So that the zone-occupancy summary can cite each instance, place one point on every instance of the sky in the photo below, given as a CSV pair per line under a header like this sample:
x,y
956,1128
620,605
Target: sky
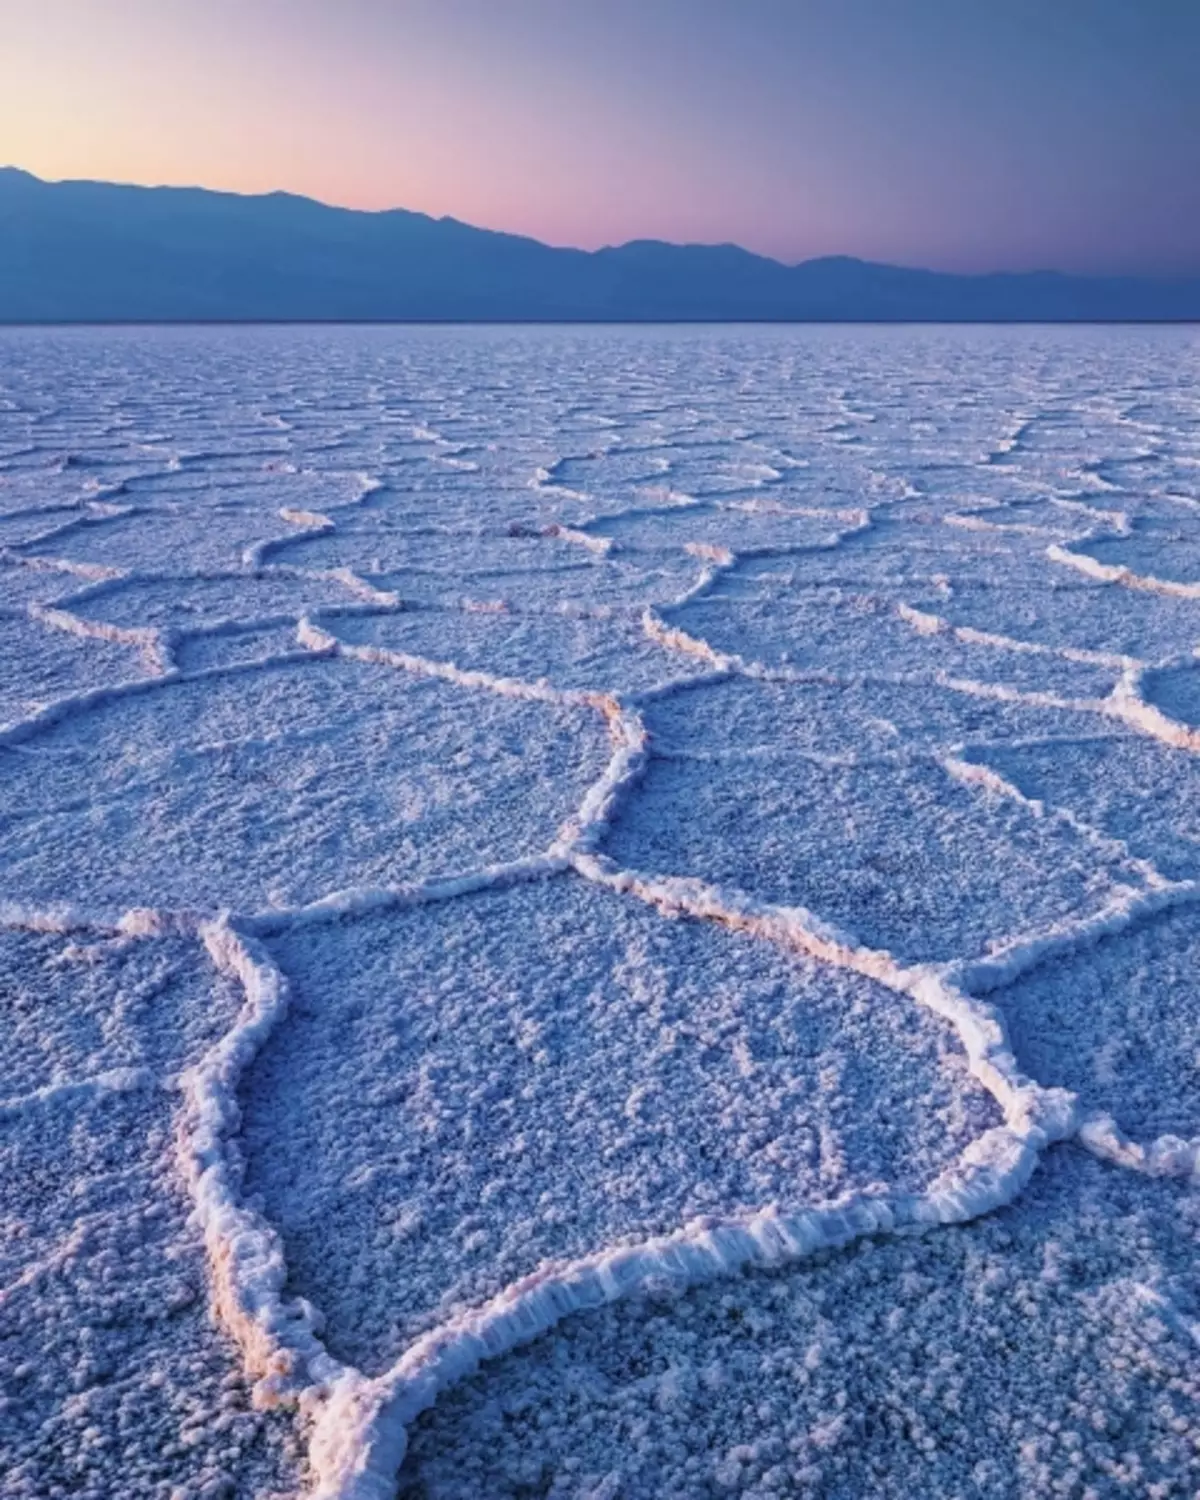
x,y
957,134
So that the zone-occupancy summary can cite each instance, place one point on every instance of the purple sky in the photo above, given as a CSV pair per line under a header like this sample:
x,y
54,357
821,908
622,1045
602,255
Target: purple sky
x,y
959,134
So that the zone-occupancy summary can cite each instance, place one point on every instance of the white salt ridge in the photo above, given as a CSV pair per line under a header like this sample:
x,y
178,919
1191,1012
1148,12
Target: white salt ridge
x,y
150,642
1119,574
278,1339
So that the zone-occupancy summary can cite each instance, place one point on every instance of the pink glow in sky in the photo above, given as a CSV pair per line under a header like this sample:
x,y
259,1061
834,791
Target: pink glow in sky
x,y
935,132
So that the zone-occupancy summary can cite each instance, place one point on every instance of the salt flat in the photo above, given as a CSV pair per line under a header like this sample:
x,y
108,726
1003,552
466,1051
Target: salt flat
x,y
599,913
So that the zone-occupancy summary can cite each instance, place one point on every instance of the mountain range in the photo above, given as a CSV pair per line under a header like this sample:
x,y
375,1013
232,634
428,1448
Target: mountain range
x,y
104,252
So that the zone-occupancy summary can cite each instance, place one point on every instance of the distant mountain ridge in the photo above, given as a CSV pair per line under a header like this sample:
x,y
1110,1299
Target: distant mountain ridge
x,y
103,252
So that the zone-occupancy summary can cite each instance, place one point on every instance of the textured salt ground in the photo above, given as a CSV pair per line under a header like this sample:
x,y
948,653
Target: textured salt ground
x,y
373,545
39,663
211,533
621,581
1120,1025
113,1379
750,525
187,602
856,717
1055,521
896,551
180,483
229,647
847,632
22,585
21,525
280,784
209,423
38,475
272,485
75,1008
925,535
523,565
1176,691
1134,789
466,1090
1070,611
891,847
605,653
595,483
1169,554
1028,1354
704,469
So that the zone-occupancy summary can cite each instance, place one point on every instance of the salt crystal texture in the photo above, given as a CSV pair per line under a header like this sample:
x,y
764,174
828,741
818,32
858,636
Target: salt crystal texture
x,y
599,912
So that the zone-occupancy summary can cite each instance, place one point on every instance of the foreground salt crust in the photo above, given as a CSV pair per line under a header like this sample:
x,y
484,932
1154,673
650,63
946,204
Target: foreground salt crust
x,y
1030,1352
402,719
114,1378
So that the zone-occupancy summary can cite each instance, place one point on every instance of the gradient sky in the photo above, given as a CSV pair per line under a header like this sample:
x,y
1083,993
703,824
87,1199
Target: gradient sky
x,y
958,134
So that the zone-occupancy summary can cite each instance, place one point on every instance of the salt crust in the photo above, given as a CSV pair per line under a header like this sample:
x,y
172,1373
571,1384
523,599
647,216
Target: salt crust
x,y
130,508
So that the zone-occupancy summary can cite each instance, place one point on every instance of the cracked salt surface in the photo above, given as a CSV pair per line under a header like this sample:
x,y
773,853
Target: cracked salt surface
x,y
39,664
842,629
190,603
1132,788
598,913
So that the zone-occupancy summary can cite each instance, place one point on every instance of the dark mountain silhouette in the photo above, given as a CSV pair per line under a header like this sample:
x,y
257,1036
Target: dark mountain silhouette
x,y
94,251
